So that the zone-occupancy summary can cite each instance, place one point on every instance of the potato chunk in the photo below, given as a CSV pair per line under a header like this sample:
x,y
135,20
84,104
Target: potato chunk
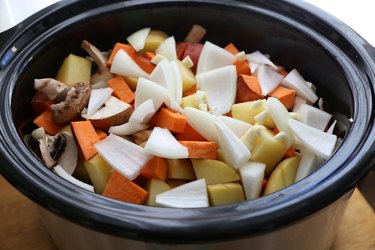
x,y
73,70
227,193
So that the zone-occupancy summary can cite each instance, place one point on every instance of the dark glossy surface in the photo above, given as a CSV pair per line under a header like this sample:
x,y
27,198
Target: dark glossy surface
x,y
325,51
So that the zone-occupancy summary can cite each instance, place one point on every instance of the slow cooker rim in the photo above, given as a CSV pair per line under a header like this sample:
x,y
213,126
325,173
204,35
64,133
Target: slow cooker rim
x,y
14,178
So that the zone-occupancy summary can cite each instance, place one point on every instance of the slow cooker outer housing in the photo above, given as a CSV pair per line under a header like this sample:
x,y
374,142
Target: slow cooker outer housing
x,y
295,34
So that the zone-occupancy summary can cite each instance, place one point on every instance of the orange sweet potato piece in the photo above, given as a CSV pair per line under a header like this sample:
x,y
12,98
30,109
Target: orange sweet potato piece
x,y
45,121
171,120
201,149
120,188
121,90
155,168
285,95
248,89
189,134
86,137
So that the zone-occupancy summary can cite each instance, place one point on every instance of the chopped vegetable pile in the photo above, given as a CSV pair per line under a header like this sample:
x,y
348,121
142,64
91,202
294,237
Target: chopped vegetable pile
x,y
179,124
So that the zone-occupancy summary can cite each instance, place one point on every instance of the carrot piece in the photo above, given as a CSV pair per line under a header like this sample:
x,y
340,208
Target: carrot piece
x,y
143,62
285,95
86,137
242,67
149,55
40,102
171,120
155,168
101,134
248,89
189,134
290,152
232,49
45,121
127,48
121,90
180,48
190,91
120,188
201,149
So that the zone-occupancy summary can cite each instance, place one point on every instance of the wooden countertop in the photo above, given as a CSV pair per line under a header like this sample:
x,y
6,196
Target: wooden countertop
x,y
21,227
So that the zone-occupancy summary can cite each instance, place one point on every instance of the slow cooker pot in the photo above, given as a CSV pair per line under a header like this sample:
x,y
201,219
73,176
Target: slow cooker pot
x,y
296,35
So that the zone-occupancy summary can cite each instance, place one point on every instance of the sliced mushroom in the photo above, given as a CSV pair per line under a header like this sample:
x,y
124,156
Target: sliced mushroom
x,y
103,73
51,87
75,101
60,150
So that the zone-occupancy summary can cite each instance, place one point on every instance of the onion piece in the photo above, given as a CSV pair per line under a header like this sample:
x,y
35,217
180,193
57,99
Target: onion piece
x,y
128,128
268,78
163,144
235,153
97,99
124,65
309,162
220,86
138,39
63,174
189,195
238,127
252,174
295,81
298,101
314,117
168,48
177,82
143,113
202,122
146,90
320,143
280,117
259,58
164,75
213,57
124,156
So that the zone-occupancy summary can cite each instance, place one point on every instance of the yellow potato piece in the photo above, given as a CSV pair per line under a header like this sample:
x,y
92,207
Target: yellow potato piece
x,y
189,101
80,173
214,171
99,171
73,70
188,77
180,169
132,82
283,175
227,193
155,187
246,111
267,149
154,39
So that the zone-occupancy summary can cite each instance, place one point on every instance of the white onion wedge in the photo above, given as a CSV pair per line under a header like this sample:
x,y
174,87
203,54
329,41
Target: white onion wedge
x,y
177,82
259,58
163,144
124,156
332,127
63,174
220,86
128,128
202,122
295,81
146,90
268,78
237,126
164,75
97,99
189,195
143,113
280,117
138,39
213,57
168,48
309,162
298,101
235,153
314,117
124,65
252,174
320,143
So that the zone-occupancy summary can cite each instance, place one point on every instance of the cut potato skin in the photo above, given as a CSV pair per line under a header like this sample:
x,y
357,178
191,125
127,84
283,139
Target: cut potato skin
x,y
114,120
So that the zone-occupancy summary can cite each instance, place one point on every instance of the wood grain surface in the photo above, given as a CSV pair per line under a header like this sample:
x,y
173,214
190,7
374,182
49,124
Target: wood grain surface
x,y
21,227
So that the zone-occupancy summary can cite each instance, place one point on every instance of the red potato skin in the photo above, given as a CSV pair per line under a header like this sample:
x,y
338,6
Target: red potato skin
x,y
193,50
